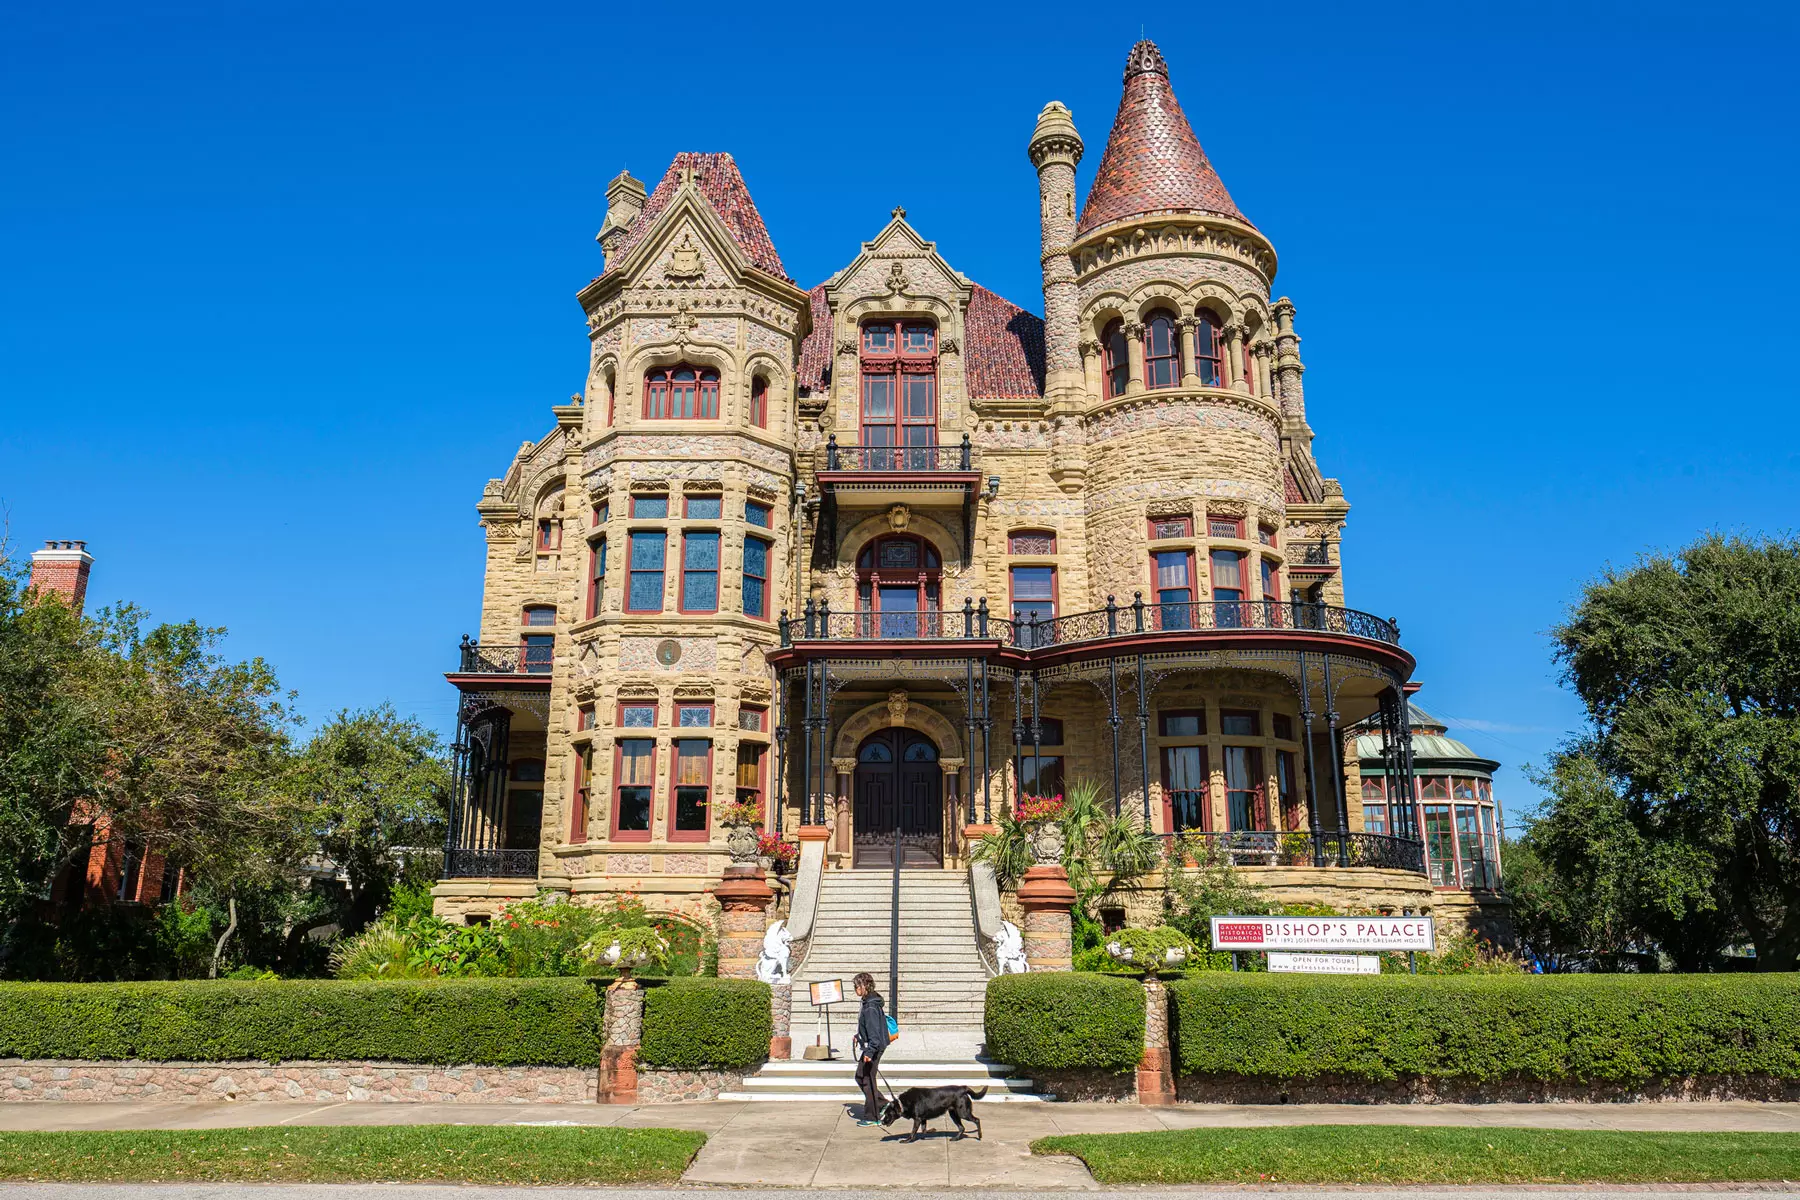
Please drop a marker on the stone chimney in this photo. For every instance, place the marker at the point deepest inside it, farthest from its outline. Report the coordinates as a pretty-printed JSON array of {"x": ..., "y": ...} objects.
[
  {"x": 62, "y": 567},
  {"x": 624, "y": 201},
  {"x": 1055, "y": 149}
]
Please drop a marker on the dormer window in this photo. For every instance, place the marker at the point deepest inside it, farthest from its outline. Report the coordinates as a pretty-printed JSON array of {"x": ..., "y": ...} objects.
[
  {"x": 681, "y": 393},
  {"x": 899, "y": 385}
]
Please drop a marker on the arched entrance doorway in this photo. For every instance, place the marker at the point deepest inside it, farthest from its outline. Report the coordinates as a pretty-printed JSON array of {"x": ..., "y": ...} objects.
[{"x": 899, "y": 790}]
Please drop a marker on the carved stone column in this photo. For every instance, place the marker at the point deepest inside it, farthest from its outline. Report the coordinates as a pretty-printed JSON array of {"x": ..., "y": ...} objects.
[
  {"x": 1090, "y": 369},
  {"x": 1190, "y": 377},
  {"x": 1134, "y": 353},
  {"x": 624, "y": 1029},
  {"x": 845, "y": 769},
  {"x": 744, "y": 896},
  {"x": 1156, "y": 1072},
  {"x": 1055, "y": 150},
  {"x": 1234, "y": 357}
]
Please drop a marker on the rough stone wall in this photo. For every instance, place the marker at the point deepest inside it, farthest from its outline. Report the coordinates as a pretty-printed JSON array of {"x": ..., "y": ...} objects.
[
  {"x": 659, "y": 1085},
  {"x": 324, "y": 1082}
]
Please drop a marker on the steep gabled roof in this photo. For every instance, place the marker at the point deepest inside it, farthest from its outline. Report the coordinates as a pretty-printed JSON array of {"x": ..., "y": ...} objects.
[
  {"x": 815, "y": 351},
  {"x": 722, "y": 186},
  {"x": 1153, "y": 162},
  {"x": 1005, "y": 355}
]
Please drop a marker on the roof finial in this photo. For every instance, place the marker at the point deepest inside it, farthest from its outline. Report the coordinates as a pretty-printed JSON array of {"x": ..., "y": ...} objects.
[
  {"x": 899, "y": 213},
  {"x": 1145, "y": 59}
]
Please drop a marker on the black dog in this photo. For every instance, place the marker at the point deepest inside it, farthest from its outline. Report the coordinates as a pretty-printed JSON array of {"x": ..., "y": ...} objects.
[{"x": 922, "y": 1104}]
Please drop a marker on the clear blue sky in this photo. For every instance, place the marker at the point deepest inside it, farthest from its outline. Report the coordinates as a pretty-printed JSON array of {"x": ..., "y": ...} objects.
[{"x": 282, "y": 285}]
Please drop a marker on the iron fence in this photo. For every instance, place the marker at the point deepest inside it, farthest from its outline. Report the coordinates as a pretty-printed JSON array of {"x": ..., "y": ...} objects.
[
  {"x": 1301, "y": 848},
  {"x": 959, "y": 457},
  {"x": 462, "y": 863}
]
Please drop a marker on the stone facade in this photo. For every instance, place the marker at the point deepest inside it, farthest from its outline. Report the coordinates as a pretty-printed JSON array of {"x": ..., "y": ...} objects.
[
  {"x": 745, "y": 450},
  {"x": 324, "y": 1082}
]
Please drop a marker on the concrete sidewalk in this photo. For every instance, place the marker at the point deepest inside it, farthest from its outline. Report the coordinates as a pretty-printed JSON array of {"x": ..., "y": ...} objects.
[{"x": 820, "y": 1145}]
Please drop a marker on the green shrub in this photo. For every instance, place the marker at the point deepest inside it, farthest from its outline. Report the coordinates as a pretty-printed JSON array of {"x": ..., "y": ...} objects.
[
  {"x": 1579, "y": 1028},
  {"x": 692, "y": 1023},
  {"x": 1048, "y": 1020},
  {"x": 495, "y": 1022}
]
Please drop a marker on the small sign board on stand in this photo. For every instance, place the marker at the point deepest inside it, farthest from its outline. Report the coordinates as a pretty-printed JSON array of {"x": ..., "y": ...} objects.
[
  {"x": 824, "y": 994},
  {"x": 1324, "y": 964}
]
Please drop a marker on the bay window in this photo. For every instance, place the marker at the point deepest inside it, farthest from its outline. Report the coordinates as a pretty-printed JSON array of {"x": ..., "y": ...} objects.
[
  {"x": 681, "y": 392},
  {"x": 634, "y": 776},
  {"x": 1174, "y": 580},
  {"x": 649, "y": 548},
  {"x": 700, "y": 572},
  {"x": 691, "y": 814},
  {"x": 756, "y": 577}
]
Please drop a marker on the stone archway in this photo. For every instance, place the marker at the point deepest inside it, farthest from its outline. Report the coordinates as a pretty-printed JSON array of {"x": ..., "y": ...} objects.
[{"x": 898, "y": 711}]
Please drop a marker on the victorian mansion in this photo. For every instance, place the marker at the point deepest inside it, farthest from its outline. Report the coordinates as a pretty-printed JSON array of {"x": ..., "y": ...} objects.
[{"x": 884, "y": 555}]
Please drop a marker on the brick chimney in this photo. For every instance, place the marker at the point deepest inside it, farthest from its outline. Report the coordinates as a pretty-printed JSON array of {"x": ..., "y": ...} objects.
[{"x": 62, "y": 567}]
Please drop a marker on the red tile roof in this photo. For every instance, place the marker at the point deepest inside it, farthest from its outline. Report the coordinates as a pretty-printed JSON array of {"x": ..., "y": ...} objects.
[
  {"x": 1153, "y": 162},
  {"x": 1290, "y": 487},
  {"x": 1004, "y": 357},
  {"x": 815, "y": 351},
  {"x": 722, "y": 186}
]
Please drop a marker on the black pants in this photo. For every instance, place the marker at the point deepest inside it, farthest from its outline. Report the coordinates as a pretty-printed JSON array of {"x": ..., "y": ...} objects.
[{"x": 865, "y": 1079}]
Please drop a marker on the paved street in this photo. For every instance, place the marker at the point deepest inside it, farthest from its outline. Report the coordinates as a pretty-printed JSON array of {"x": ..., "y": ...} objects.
[
  {"x": 313, "y": 1191},
  {"x": 820, "y": 1145}
]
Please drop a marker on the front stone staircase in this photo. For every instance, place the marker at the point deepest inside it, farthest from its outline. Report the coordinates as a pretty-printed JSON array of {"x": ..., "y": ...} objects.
[{"x": 942, "y": 990}]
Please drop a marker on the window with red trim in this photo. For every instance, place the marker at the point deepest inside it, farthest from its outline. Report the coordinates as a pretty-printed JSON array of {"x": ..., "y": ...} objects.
[
  {"x": 753, "y": 720},
  {"x": 634, "y": 778},
  {"x": 759, "y": 402},
  {"x": 1265, "y": 534},
  {"x": 1286, "y": 792},
  {"x": 1225, "y": 527},
  {"x": 693, "y": 716},
  {"x": 1115, "y": 358},
  {"x": 636, "y": 716},
  {"x": 681, "y": 393},
  {"x": 757, "y": 513},
  {"x": 1271, "y": 580},
  {"x": 751, "y": 762},
  {"x": 602, "y": 513},
  {"x": 899, "y": 384},
  {"x": 578, "y": 815},
  {"x": 1209, "y": 350},
  {"x": 1185, "y": 796},
  {"x": 584, "y": 717},
  {"x": 1031, "y": 541},
  {"x": 703, "y": 508},
  {"x": 644, "y": 589},
  {"x": 1033, "y": 596},
  {"x": 1170, "y": 527},
  {"x": 549, "y": 534},
  {"x": 691, "y": 814},
  {"x": 596, "y": 575},
  {"x": 756, "y": 577},
  {"x": 700, "y": 572},
  {"x": 1162, "y": 352},
  {"x": 649, "y": 508},
  {"x": 538, "y": 615},
  {"x": 1227, "y": 575}
]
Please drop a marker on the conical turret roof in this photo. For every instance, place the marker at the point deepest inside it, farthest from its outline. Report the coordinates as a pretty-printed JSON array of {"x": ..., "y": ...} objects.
[{"x": 1153, "y": 162}]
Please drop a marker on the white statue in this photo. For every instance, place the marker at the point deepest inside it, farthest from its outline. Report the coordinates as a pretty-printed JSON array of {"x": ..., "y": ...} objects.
[
  {"x": 1009, "y": 950},
  {"x": 772, "y": 963}
]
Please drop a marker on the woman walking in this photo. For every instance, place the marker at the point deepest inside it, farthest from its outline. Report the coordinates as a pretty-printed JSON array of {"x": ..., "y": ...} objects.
[{"x": 870, "y": 1041}]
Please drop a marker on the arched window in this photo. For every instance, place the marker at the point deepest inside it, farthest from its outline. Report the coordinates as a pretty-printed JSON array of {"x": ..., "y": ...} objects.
[
  {"x": 1117, "y": 360},
  {"x": 681, "y": 392},
  {"x": 899, "y": 387},
  {"x": 897, "y": 585},
  {"x": 1209, "y": 350},
  {"x": 759, "y": 402},
  {"x": 1162, "y": 352}
]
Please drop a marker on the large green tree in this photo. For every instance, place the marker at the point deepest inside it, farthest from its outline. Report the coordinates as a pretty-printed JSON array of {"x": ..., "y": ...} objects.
[
  {"x": 1689, "y": 666},
  {"x": 369, "y": 788}
]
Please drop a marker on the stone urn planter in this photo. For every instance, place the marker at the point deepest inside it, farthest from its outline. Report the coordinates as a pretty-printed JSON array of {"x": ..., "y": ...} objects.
[
  {"x": 1047, "y": 844},
  {"x": 741, "y": 841}
]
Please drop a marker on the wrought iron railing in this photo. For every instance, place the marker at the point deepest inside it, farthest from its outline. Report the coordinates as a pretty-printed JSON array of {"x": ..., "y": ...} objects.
[
  {"x": 1127, "y": 620},
  {"x": 1301, "y": 848},
  {"x": 490, "y": 864},
  {"x": 976, "y": 621},
  {"x": 506, "y": 659},
  {"x": 899, "y": 458}
]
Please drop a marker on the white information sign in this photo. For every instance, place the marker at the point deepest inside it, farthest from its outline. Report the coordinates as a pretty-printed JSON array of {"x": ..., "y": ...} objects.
[
  {"x": 829, "y": 991},
  {"x": 1323, "y": 933},
  {"x": 1324, "y": 964}
]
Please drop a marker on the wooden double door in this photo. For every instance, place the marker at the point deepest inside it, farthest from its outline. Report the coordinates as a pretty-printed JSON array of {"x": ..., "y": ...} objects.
[{"x": 899, "y": 801}]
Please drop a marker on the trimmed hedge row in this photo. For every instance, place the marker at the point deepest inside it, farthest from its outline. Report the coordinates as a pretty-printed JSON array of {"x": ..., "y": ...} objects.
[
  {"x": 701, "y": 1022},
  {"x": 1576, "y": 1028},
  {"x": 1057, "y": 1020},
  {"x": 497, "y": 1022}
]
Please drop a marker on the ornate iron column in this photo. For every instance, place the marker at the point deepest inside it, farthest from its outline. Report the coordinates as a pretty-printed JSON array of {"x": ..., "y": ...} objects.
[
  {"x": 1143, "y": 712},
  {"x": 1337, "y": 767},
  {"x": 969, "y": 714},
  {"x": 987, "y": 729},
  {"x": 781, "y": 737},
  {"x": 1406, "y": 772},
  {"x": 806, "y": 725},
  {"x": 1313, "y": 817},
  {"x": 1112, "y": 712}
]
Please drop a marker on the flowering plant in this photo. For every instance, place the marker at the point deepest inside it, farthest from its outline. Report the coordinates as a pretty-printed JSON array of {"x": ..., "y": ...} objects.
[
  {"x": 1032, "y": 809},
  {"x": 737, "y": 812},
  {"x": 785, "y": 852}
]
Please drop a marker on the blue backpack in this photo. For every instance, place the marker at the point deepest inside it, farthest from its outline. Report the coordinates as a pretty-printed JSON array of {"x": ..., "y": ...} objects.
[{"x": 893, "y": 1027}]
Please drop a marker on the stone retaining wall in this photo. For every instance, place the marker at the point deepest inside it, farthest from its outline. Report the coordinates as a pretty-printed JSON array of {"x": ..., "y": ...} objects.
[
  {"x": 1087, "y": 1084},
  {"x": 69, "y": 1080},
  {"x": 657, "y": 1085}
]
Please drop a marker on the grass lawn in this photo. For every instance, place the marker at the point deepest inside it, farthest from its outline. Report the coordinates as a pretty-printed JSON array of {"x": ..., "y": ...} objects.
[
  {"x": 1414, "y": 1154},
  {"x": 340, "y": 1154}
]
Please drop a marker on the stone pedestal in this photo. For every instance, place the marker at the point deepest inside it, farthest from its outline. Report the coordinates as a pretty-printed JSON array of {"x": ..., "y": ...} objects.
[
  {"x": 1047, "y": 898},
  {"x": 624, "y": 1031},
  {"x": 1156, "y": 1072},
  {"x": 781, "y": 1044},
  {"x": 744, "y": 896}
]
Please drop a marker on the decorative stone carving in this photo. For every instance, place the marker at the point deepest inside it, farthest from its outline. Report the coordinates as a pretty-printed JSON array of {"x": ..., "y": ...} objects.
[
  {"x": 740, "y": 840},
  {"x": 1047, "y": 844},
  {"x": 684, "y": 260},
  {"x": 897, "y": 704},
  {"x": 772, "y": 964},
  {"x": 1009, "y": 950},
  {"x": 899, "y": 517}
]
